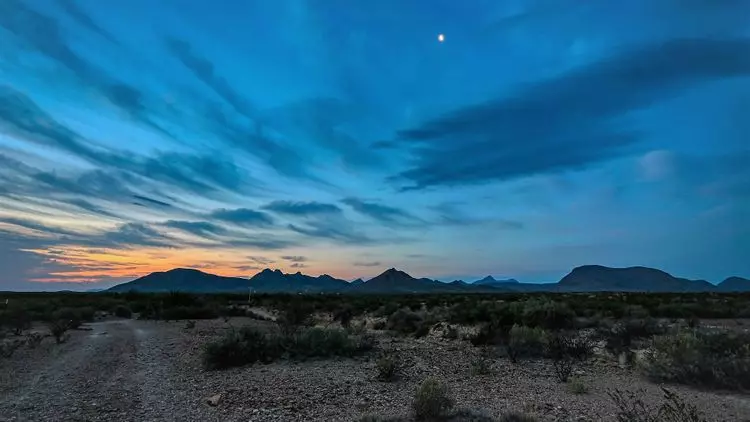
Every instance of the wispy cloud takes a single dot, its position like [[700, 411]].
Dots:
[[301, 208], [503, 139], [367, 264], [243, 217]]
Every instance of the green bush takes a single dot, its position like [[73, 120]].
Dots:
[[577, 386], [432, 400], [321, 342], [294, 315], [17, 319], [404, 321], [388, 366], [74, 317], [525, 342], [480, 365], [122, 311], [250, 345], [58, 329], [549, 315], [243, 347], [717, 359], [565, 349]]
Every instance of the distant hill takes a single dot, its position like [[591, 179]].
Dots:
[[491, 281], [184, 280], [734, 284], [587, 278], [395, 281], [268, 281], [592, 278]]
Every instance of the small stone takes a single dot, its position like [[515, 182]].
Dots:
[[214, 400]]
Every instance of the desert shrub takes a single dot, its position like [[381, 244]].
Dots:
[[388, 366], [491, 333], [17, 319], [451, 333], [619, 338], [34, 339], [188, 312], [480, 365], [379, 325], [72, 317], [631, 408], [122, 311], [547, 314], [432, 400], [7, 348], [58, 328], [344, 316], [250, 345], [564, 350], [525, 342], [577, 386], [190, 324], [717, 359], [321, 342], [243, 347], [422, 331], [295, 315], [404, 321]]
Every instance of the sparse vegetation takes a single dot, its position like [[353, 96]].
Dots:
[[705, 358], [405, 321], [432, 400], [122, 311], [251, 345], [58, 328], [388, 366], [525, 342], [565, 349], [631, 408], [576, 385], [481, 365]]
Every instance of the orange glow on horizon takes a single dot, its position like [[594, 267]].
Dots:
[[88, 264]]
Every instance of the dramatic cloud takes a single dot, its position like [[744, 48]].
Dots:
[[198, 228], [382, 213], [75, 12], [136, 142], [301, 208], [243, 217], [568, 122]]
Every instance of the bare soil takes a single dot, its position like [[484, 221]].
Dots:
[[128, 370]]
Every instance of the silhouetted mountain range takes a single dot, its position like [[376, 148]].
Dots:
[[588, 278], [490, 281]]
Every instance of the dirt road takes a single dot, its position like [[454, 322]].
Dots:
[[97, 375]]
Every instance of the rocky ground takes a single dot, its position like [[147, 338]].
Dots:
[[128, 370]]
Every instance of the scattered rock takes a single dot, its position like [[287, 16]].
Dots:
[[214, 400]]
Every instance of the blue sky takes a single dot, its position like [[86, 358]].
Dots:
[[342, 137]]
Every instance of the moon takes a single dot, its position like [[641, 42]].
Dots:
[[441, 37]]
